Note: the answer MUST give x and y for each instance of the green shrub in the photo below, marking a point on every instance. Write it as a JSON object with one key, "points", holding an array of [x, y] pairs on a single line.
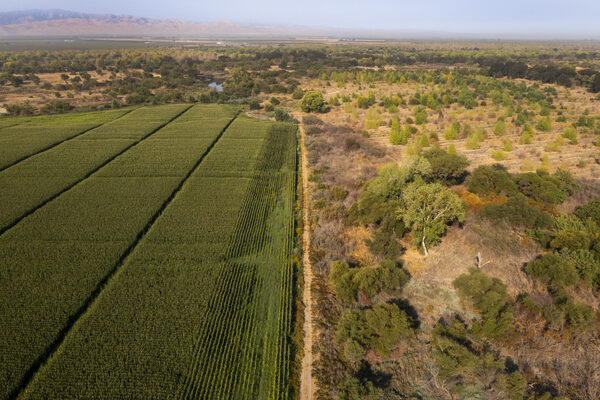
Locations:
{"points": [[486, 180], [489, 298], [297, 94], [283, 116], [379, 328], [542, 187], [516, 385], [452, 131], [353, 389], [384, 243], [446, 167], [544, 125], [518, 211], [587, 265], [386, 325], [571, 134], [312, 101], [338, 193], [420, 115], [498, 155], [579, 316], [590, 210], [500, 128], [254, 104], [553, 270], [347, 282]]}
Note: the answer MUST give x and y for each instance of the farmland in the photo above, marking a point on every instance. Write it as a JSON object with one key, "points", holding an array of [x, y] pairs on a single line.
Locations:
{"points": [[149, 257]]}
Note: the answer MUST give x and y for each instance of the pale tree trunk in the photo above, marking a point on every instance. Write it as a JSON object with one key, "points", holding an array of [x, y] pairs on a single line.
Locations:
{"points": [[424, 247]]}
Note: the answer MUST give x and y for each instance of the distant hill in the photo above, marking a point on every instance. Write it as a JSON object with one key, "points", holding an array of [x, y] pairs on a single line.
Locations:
{"points": [[23, 17], [70, 23], [62, 23]]}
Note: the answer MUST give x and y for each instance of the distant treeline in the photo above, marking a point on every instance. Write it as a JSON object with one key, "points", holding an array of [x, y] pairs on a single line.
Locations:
{"points": [[561, 75]]}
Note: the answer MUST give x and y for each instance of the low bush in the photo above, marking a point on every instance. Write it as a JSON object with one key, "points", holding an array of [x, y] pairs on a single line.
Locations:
{"points": [[518, 211], [445, 167], [589, 210], [554, 271], [379, 328], [495, 179], [489, 298]]}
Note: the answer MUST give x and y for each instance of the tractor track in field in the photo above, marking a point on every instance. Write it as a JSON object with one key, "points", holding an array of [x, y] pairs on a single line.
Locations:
{"points": [[55, 345], [92, 172], [53, 145], [307, 383]]}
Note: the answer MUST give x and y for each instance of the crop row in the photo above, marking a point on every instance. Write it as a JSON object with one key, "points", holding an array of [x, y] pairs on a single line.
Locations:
{"points": [[21, 140], [253, 306], [192, 314], [56, 260], [32, 182]]}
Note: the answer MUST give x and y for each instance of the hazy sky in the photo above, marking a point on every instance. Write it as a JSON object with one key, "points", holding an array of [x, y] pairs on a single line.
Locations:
{"points": [[552, 17]]}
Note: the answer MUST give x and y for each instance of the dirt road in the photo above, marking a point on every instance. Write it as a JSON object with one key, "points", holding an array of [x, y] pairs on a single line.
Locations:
{"points": [[307, 386]]}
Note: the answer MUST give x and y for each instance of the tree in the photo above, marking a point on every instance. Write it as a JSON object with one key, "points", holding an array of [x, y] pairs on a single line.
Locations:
{"points": [[428, 209], [395, 137], [312, 101], [420, 115], [595, 87], [500, 128], [446, 167], [544, 125], [486, 180]]}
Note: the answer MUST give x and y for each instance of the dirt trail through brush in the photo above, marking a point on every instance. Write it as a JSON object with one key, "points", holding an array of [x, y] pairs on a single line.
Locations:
{"points": [[307, 385]]}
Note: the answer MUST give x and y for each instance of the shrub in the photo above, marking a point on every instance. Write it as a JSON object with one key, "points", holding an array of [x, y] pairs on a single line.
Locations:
{"points": [[489, 298], [590, 210], [500, 128], [553, 270], [587, 265], [498, 155], [446, 167], [386, 325], [518, 212], [353, 389], [269, 107], [544, 125], [351, 144], [57, 106], [486, 180], [338, 193], [283, 116], [379, 328], [384, 243], [297, 94], [571, 134], [254, 104], [312, 101], [420, 115], [452, 131], [579, 316], [387, 277], [542, 187]]}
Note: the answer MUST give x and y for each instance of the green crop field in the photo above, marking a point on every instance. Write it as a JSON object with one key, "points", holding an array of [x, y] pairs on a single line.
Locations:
{"points": [[149, 257]]}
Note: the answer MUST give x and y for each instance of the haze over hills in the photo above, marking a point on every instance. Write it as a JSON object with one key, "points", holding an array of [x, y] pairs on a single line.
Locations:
{"points": [[63, 23]]}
